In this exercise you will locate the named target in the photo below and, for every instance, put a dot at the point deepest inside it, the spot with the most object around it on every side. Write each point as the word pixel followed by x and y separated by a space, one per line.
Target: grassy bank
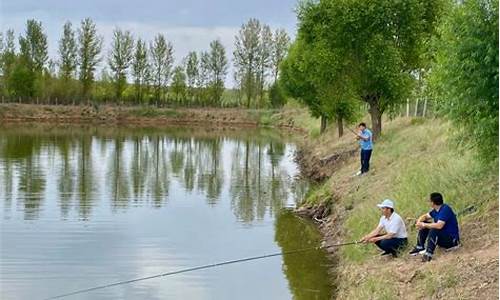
pixel 413 158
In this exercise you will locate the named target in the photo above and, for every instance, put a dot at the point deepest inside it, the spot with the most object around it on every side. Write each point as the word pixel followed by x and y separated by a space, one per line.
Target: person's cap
pixel 386 203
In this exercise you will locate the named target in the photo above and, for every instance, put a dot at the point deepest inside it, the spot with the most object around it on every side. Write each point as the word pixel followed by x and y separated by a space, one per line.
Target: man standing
pixel 442 232
pixel 364 135
pixel 392 224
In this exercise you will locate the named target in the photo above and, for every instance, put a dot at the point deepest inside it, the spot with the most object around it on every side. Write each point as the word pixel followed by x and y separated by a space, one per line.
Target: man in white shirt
pixel 390 234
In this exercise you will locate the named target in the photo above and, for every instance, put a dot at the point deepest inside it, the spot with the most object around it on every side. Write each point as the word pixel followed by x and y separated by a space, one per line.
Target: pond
pixel 85 206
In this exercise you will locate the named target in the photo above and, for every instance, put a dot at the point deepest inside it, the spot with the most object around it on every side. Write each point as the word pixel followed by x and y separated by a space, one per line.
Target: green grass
pixel 318 193
pixel 412 159
pixel 371 288
pixel 410 163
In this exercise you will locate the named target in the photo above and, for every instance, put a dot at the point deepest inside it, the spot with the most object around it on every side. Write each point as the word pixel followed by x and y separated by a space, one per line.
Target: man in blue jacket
pixel 442 232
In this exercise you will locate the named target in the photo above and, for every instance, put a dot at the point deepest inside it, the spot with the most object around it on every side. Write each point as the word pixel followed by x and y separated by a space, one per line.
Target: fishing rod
pixel 353 132
pixel 196 269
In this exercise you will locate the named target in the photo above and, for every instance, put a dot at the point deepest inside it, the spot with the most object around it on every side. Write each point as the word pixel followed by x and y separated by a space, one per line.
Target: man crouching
pixel 395 236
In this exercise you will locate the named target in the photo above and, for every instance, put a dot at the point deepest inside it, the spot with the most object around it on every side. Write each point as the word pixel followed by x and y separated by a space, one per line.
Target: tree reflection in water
pixel 294 233
pixel 137 166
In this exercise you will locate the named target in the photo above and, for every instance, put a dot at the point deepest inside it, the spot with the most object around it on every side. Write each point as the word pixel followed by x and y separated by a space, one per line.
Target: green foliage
pixel 34 46
pixel 257 55
pixel 192 73
pixel 7 60
pixel 295 79
pixel 162 59
pixel 141 70
pixel 148 64
pixel 178 87
pixel 217 63
pixel 90 45
pixel 359 49
pixel 21 81
pixel 465 73
pixel 68 52
pixel 120 59
pixel 277 96
pixel 300 80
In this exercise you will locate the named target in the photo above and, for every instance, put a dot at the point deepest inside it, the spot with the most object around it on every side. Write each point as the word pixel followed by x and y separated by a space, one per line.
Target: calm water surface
pixel 86 206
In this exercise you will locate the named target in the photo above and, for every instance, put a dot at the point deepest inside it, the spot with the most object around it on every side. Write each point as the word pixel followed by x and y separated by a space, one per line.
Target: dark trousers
pixel 435 237
pixel 392 245
pixel 365 160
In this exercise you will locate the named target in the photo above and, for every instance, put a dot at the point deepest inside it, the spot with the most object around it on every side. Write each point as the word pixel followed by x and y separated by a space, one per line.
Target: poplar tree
pixel 217 62
pixel 281 44
pixel 246 57
pixel 192 73
pixel 161 62
pixel 34 46
pixel 264 60
pixel 68 53
pixel 141 69
pixel 89 49
pixel 120 59
pixel 7 60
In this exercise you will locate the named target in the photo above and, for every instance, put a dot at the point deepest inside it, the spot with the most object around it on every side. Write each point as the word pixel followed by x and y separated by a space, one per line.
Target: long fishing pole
pixel 195 269
pixel 353 132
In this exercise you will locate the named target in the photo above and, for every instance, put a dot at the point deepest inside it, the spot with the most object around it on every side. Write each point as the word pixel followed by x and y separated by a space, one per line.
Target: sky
pixel 188 24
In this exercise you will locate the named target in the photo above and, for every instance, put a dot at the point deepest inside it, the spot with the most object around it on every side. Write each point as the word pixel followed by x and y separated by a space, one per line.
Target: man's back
pixel 447 215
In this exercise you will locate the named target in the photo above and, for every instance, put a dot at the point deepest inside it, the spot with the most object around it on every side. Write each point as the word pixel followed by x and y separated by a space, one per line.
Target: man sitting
pixel 395 236
pixel 442 232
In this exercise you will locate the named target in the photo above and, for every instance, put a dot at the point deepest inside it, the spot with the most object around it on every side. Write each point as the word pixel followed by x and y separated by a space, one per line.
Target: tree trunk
pixel 323 124
pixel 407 108
pixel 425 108
pixel 416 107
pixel 376 116
pixel 340 127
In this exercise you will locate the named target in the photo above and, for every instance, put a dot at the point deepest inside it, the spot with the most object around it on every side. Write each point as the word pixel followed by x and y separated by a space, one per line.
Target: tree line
pixel 136 71
pixel 354 53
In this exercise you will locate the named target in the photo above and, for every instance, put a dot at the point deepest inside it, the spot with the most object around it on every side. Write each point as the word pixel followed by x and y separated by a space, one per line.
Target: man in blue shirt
pixel 364 135
pixel 442 232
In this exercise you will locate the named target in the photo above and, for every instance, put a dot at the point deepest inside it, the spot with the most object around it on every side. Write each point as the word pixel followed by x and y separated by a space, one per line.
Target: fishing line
pixel 195 269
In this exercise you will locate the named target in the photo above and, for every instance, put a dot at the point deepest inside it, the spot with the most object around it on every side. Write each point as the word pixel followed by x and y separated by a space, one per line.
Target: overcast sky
pixel 188 24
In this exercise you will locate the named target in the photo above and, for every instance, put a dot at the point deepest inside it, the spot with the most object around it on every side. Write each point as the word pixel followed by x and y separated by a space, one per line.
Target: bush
pixel 277 96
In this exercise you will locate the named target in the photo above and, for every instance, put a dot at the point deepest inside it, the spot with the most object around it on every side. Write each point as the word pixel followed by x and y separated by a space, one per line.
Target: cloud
pixel 184 39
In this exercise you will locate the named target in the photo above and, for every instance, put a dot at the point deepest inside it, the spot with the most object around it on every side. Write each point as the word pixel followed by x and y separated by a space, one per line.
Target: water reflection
pixel 294 233
pixel 137 167
pixel 114 204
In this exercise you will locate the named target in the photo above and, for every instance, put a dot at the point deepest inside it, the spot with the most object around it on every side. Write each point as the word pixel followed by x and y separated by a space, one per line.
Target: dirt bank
pixel 144 116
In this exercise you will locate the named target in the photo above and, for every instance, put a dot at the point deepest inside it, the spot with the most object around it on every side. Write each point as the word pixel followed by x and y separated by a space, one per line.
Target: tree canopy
pixel 364 50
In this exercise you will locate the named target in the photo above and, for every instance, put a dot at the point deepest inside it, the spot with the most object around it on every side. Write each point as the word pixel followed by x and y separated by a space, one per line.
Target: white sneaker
pixel 358 173
pixel 452 248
